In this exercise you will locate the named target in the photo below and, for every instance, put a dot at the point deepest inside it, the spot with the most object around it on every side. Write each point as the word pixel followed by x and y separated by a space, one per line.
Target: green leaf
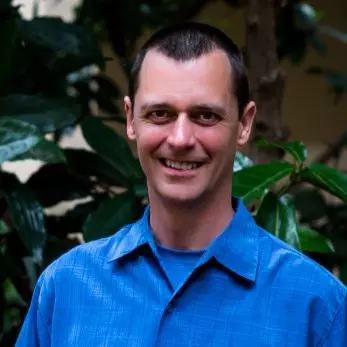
pixel 63 46
pixel 343 272
pixel 113 148
pixel 338 216
pixel 310 204
pixel 108 86
pixel 54 183
pixel 56 248
pixel 335 78
pixel 3 228
pixel 36 8
pixel 277 215
pixel 70 222
pixel 12 296
pixel 87 163
pixel 316 43
pixel 141 190
pixel 46 151
pixel 4 273
pixel 27 214
pixel 327 178
pixel 306 17
pixel 111 215
pixel 16 137
pixel 9 30
pixel 296 148
pixel 105 101
pixel 106 97
pixel 6 8
pixel 241 161
pixel 313 241
pixel 250 183
pixel 336 34
pixel 48 114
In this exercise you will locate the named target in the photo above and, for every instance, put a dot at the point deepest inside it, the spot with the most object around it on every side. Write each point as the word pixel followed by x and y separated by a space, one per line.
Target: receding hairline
pixel 216 49
pixel 193 40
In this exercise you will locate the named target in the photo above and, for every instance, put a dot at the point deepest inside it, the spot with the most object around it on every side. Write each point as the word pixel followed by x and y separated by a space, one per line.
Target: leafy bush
pixel 48 73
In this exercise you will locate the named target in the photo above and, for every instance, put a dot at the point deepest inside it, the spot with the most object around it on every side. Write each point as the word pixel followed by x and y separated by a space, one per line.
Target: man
pixel 195 270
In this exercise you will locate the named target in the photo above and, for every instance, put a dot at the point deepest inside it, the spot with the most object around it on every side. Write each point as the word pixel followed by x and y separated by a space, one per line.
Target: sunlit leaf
pixel 296 148
pixel 48 114
pixel 16 137
pixel 27 214
pixel 241 161
pixel 277 215
pixel 306 16
pixel 46 151
pixel 250 183
pixel 327 178
pixel 336 34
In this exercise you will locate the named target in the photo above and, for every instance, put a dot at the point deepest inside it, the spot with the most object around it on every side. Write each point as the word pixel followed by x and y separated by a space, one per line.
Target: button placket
pixel 169 307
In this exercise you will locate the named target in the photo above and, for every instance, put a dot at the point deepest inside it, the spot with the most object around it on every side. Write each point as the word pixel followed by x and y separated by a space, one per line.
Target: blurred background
pixel 68 174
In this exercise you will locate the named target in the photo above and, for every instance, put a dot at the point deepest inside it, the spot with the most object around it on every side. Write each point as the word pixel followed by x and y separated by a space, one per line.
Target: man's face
pixel 186 125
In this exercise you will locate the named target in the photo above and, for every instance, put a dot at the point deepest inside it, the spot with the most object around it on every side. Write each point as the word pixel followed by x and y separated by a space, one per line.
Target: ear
pixel 130 118
pixel 245 123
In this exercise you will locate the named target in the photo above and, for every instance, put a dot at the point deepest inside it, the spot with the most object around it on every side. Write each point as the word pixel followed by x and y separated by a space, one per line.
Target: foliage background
pixel 54 79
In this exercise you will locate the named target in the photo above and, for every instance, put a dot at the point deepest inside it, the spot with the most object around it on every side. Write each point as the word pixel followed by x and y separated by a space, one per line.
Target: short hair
pixel 190 40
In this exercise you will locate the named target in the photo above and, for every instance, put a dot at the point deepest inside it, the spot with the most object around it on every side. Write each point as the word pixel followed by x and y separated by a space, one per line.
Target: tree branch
pixel 334 150
pixel 265 76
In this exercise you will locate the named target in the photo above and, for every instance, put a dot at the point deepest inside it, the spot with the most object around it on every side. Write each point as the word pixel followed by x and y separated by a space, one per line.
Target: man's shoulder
pixel 92 254
pixel 293 268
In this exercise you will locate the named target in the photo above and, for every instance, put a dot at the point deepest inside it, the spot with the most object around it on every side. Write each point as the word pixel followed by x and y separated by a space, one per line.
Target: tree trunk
pixel 265 76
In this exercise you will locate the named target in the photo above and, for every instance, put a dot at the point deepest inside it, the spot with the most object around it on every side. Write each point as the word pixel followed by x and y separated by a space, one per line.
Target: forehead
pixel 204 79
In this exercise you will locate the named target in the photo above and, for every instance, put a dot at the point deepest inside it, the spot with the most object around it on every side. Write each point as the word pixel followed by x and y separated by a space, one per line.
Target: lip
pixel 179 173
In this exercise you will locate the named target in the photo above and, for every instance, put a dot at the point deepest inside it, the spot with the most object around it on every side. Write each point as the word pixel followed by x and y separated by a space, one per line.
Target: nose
pixel 182 133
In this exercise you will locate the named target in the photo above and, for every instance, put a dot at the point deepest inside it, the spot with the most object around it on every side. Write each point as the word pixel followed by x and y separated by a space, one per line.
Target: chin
pixel 180 196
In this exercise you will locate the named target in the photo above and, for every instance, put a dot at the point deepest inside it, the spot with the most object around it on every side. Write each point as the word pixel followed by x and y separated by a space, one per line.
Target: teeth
pixel 180 165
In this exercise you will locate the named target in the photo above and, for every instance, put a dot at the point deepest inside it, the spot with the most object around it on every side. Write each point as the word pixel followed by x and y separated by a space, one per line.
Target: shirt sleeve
pixel 337 336
pixel 35 331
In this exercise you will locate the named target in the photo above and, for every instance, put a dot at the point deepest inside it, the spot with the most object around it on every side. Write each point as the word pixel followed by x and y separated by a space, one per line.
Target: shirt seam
pixel 329 327
pixel 44 320
pixel 299 254
pixel 41 313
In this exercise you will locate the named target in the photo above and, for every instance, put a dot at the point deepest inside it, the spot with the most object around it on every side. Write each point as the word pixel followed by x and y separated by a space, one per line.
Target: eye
pixel 159 116
pixel 206 117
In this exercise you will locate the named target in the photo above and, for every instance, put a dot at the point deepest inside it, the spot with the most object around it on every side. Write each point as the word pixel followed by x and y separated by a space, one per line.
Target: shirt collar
pixel 236 248
pixel 134 238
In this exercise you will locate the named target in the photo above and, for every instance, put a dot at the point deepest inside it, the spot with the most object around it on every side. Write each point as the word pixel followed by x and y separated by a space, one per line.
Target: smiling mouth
pixel 180 165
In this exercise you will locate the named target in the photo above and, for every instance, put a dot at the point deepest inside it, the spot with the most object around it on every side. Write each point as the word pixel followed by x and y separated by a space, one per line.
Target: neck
pixel 190 226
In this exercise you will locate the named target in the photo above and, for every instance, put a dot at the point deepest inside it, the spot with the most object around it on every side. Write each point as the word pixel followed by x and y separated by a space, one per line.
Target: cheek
pixel 218 141
pixel 149 138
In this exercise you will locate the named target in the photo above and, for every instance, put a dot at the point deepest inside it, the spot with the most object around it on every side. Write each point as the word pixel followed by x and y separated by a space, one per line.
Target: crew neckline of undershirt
pixel 182 252
pixel 178 264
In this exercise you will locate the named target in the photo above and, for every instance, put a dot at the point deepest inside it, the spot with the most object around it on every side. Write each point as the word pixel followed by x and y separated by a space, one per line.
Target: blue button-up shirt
pixel 249 289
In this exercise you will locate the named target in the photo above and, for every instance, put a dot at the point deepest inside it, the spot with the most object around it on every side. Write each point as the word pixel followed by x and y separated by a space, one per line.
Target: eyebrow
pixel 215 108
pixel 150 106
